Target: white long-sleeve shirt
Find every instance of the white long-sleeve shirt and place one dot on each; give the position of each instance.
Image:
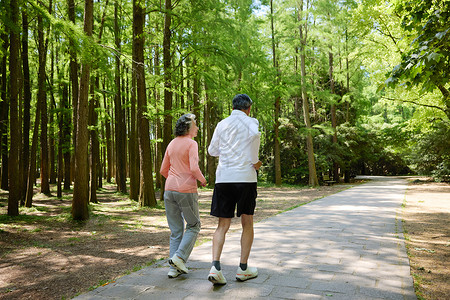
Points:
(236, 141)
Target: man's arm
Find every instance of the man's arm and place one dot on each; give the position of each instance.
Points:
(257, 165)
(254, 151)
(213, 148)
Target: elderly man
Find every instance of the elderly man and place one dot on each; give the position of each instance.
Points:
(235, 141)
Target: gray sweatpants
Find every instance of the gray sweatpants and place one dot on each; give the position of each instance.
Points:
(182, 207)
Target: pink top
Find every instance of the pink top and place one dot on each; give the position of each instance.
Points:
(180, 165)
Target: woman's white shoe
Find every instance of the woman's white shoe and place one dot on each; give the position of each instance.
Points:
(173, 273)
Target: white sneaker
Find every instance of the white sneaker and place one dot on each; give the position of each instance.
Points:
(250, 273)
(216, 277)
(173, 273)
(178, 264)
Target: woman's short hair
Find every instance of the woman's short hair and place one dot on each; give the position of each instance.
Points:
(183, 125)
(242, 101)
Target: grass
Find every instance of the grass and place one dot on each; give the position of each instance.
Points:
(418, 281)
(283, 185)
(27, 219)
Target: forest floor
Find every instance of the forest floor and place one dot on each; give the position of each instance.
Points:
(46, 255)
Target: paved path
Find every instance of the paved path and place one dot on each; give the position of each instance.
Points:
(345, 246)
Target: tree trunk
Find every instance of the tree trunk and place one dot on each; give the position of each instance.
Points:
(93, 122)
(313, 181)
(51, 131)
(147, 193)
(32, 166)
(61, 137)
(445, 99)
(109, 148)
(196, 102)
(347, 71)
(124, 100)
(52, 144)
(74, 85)
(14, 125)
(134, 146)
(276, 138)
(26, 106)
(81, 182)
(182, 99)
(120, 131)
(159, 129)
(167, 129)
(42, 101)
(66, 145)
(94, 153)
(159, 133)
(297, 98)
(333, 115)
(210, 123)
(4, 109)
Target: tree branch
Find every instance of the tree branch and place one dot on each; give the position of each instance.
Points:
(444, 91)
(415, 103)
(118, 53)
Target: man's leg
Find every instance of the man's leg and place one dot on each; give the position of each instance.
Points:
(244, 272)
(219, 237)
(246, 237)
(215, 274)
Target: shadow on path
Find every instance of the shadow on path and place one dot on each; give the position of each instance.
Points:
(345, 246)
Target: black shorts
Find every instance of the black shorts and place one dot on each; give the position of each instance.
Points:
(227, 195)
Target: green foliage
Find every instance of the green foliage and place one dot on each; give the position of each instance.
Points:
(226, 46)
(427, 62)
(431, 152)
(294, 160)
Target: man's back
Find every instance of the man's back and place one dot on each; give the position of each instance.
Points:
(236, 143)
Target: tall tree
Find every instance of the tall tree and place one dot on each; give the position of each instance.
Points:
(333, 113)
(133, 146)
(32, 165)
(167, 61)
(276, 138)
(93, 124)
(159, 126)
(81, 183)
(26, 103)
(303, 29)
(95, 149)
(108, 142)
(14, 125)
(4, 109)
(62, 139)
(210, 122)
(120, 129)
(197, 109)
(74, 85)
(147, 193)
(42, 102)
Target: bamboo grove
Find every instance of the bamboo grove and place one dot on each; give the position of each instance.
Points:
(90, 89)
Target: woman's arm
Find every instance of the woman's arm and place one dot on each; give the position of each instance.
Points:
(165, 165)
(193, 163)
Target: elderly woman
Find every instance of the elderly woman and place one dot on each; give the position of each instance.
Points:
(180, 167)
